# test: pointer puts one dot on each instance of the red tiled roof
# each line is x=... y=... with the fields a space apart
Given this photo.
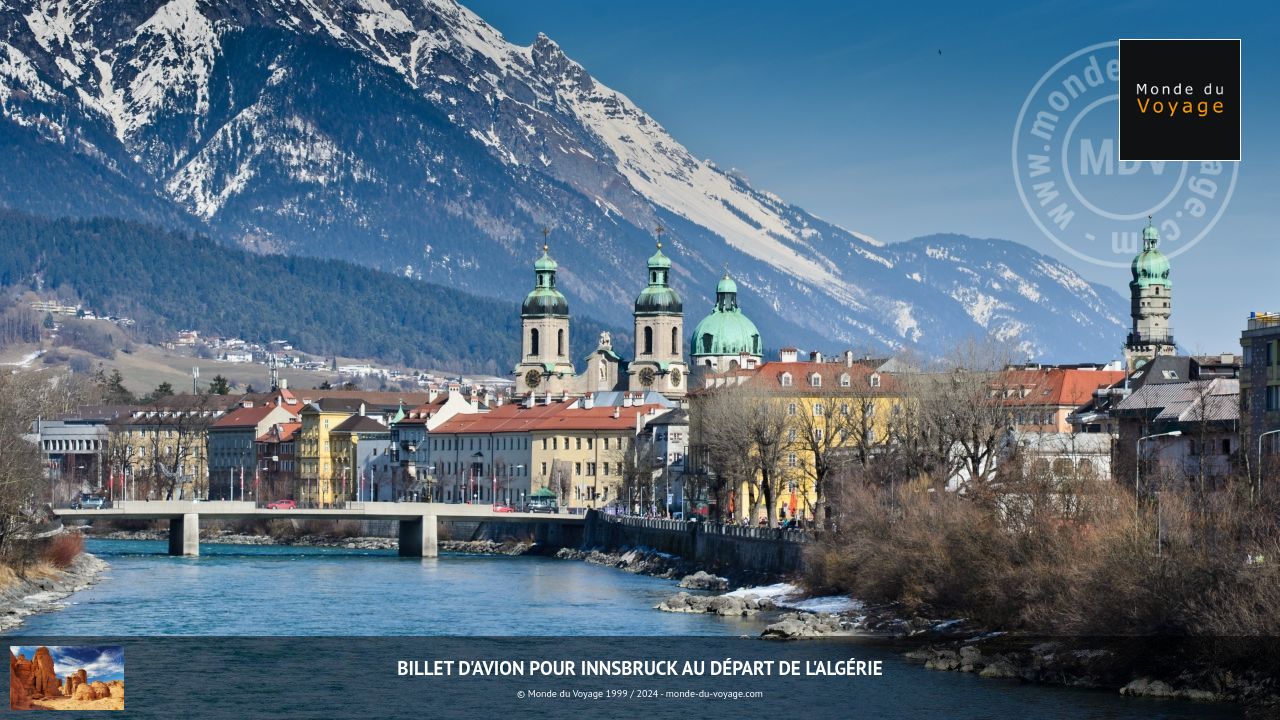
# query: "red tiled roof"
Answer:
x=287 y=431
x=420 y=414
x=248 y=416
x=556 y=416
x=769 y=376
x=1071 y=387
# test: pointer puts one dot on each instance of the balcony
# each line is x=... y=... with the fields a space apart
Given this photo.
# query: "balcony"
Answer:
x=1163 y=338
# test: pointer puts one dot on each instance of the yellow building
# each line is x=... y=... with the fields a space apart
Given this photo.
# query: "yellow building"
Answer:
x=832 y=414
x=319 y=468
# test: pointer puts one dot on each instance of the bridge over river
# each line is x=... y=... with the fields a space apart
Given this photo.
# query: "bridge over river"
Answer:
x=418 y=521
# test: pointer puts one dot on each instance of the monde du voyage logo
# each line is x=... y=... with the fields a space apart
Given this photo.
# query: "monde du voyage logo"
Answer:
x=1122 y=131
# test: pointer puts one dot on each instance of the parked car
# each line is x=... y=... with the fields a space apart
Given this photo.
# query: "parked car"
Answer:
x=503 y=508
x=286 y=504
x=90 y=502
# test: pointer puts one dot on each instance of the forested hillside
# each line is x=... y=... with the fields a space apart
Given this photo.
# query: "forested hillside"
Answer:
x=170 y=280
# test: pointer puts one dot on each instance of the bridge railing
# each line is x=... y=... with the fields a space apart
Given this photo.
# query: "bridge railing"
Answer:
x=757 y=533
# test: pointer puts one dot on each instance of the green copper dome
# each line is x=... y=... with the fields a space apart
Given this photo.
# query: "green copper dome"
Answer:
x=545 y=300
x=658 y=298
x=1150 y=267
x=726 y=331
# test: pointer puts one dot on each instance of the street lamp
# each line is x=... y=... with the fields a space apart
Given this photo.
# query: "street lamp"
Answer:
x=1137 y=460
x=1269 y=432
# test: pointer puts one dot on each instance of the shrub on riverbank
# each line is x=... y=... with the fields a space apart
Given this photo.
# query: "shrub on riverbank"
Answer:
x=1043 y=560
x=62 y=550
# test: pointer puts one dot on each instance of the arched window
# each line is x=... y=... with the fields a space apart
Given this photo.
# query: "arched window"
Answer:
x=675 y=341
x=815 y=380
x=733 y=364
x=844 y=379
x=560 y=342
x=785 y=379
x=533 y=341
x=648 y=340
x=706 y=342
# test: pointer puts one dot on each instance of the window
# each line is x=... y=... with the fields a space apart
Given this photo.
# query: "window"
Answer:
x=579 y=443
x=1273 y=398
x=791 y=460
x=648 y=341
x=817 y=434
x=785 y=379
x=591 y=469
x=577 y=468
x=675 y=341
x=791 y=409
x=815 y=380
x=844 y=380
x=817 y=410
x=791 y=435
x=706 y=344
x=533 y=341
x=544 y=469
x=874 y=380
x=560 y=342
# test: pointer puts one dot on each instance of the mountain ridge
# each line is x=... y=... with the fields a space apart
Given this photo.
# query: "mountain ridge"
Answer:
x=239 y=119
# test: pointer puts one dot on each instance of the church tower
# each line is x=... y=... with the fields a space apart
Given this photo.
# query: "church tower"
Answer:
x=1150 y=295
x=544 y=326
x=659 y=315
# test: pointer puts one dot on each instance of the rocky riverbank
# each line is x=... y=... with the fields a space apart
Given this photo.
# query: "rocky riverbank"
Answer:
x=1140 y=667
x=43 y=589
x=641 y=561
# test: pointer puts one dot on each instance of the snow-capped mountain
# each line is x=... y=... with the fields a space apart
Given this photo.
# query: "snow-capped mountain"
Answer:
x=410 y=135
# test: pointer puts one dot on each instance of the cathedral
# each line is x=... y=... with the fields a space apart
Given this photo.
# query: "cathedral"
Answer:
x=546 y=368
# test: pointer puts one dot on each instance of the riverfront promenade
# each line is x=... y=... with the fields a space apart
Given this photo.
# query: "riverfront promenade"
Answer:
x=418 y=521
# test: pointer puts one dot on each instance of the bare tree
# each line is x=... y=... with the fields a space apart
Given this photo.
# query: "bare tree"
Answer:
x=745 y=432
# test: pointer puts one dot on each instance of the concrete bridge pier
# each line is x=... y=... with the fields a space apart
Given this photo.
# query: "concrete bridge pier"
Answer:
x=184 y=535
x=418 y=537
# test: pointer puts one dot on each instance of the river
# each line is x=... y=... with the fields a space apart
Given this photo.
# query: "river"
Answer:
x=241 y=590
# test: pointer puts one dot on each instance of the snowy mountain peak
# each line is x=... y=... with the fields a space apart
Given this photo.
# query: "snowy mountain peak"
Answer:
x=404 y=133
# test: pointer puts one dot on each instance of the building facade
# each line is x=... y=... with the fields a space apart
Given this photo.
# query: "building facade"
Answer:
x=1260 y=388
x=233 y=449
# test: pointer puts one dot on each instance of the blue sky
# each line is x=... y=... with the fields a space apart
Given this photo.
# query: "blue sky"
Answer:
x=102 y=663
x=851 y=112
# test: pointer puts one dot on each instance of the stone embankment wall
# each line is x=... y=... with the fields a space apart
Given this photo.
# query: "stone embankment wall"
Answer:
x=729 y=550
x=549 y=536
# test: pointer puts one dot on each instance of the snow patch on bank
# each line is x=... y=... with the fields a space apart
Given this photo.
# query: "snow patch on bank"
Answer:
x=789 y=596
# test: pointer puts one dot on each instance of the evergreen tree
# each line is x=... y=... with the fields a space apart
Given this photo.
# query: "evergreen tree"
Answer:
x=219 y=386
x=113 y=390
x=48 y=321
x=162 y=391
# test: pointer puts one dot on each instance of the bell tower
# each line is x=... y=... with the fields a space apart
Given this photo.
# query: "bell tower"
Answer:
x=544 y=365
x=1150 y=301
x=659 y=321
